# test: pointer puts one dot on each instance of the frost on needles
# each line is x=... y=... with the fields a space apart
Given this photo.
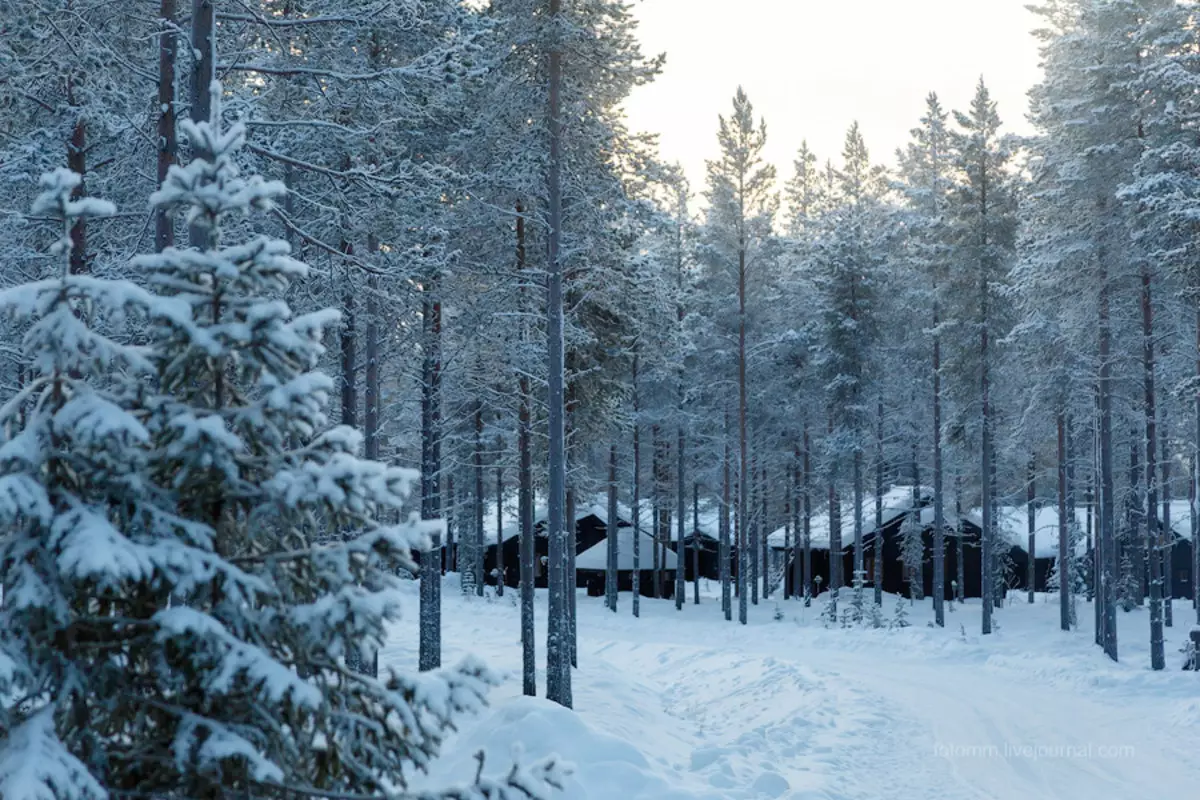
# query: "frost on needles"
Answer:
x=196 y=555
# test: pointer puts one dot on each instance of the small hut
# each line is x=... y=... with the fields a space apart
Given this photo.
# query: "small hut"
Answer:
x=590 y=527
x=591 y=566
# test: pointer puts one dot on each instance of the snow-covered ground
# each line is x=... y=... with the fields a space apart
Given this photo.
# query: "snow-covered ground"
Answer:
x=683 y=705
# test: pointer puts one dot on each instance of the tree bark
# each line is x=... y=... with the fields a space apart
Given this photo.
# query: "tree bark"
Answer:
x=877 y=578
x=168 y=147
x=477 y=503
x=528 y=552
x=1167 y=536
x=637 y=495
x=430 y=656
x=1064 y=541
x=204 y=45
x=612 y=532
x=1108 y=573
x=939 y=515
x=807 y=532
x=743 y=445
x=500 y=569
x=558 y=653
x=724 y=545
x=1031 y=513
x=696 y=543
x=1153 y=535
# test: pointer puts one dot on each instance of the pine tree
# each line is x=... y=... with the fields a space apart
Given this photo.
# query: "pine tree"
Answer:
x=256 y=670
x=79 y=548
x=738 y=227
x=984 y=231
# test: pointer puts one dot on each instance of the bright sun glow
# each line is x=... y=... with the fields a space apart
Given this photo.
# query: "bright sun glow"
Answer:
x=812 y=67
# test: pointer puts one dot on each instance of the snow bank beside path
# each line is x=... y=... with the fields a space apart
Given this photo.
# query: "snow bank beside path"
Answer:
x=681 y=705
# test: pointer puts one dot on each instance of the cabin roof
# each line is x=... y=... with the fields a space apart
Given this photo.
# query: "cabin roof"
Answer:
x=1013 y=524
x=596 y=557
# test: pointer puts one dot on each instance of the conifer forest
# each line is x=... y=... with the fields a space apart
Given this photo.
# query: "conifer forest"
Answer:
x=384 y=416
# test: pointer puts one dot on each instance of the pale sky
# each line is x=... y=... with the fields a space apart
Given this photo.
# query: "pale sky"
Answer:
x=812 y=67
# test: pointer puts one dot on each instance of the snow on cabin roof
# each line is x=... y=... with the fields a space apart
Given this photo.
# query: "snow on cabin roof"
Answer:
x=1013 y=524
x=584 y=507
x=596 y=556
x=897 y=501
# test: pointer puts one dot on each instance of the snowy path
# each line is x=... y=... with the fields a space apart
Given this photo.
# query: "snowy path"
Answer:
x=687 y=706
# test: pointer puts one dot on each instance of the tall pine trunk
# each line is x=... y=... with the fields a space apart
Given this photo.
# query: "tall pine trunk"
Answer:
x=558 y=650
x=961 y=570
x=939 y=514
x=696 y=543
x=528 y=567
x=1153 y=535
x=500 y=569
x=1064 y=541
x=662 y=527
x=762 y=543
x=431 y=473
x=743 y=444
x=986 y=536
x=1167 y=539
x=1031 y=513
x=478 y=543
x=168 y=143
x=1108 y=571
x=637 y=495
x=806 y=533
x=724 y=544
x=877 y=578
x=681 y=513
x=613 y=534
x=204 y=46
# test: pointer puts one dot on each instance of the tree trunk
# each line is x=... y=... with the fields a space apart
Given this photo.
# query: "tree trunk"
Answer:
x=724 y=546
x=572 y=595
x=558 y=652
x=1064 y=542
x=789 y=549
x=939 y=515
x=204 y=45
x=662 y=524
x=1031 y=512
x=958 y=529
x=696 y=543
x=877 y=578
x=1153 y=535
x=431 y=474
x=1167 y=537
x=637 y=496
x=1195 y=484
x=807 y=532
x=371 y=408
x=743 y=445
x=168 y=146
x=860 y=576
x=500 y=570
x=761 y=543
x=528 y=552
x=1108 y=583
x=477 y=503
x=987 y=571
x=613 y=533
x=680 y=512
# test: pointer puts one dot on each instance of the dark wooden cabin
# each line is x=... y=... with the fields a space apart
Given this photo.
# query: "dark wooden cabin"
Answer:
x=961 y=544
x=709 y=556
x=592 y=566
x=589 y=530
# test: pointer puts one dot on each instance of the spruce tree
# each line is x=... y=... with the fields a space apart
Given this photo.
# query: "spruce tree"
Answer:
x=258 y=692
